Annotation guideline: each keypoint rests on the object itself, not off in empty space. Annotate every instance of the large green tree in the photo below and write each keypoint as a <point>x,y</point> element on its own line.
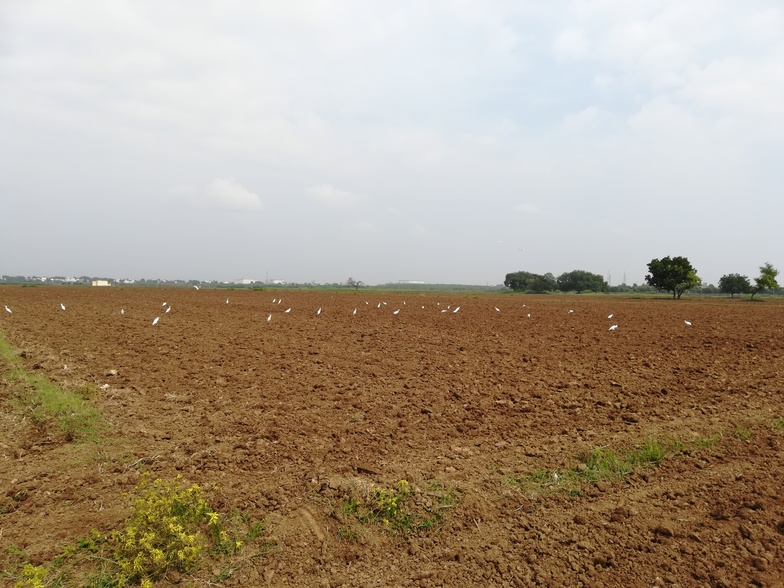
<point>672,274</point>
<point>529,282</point>
<point>734,284</point>
<point>579,281</point>
<point>766,279</point>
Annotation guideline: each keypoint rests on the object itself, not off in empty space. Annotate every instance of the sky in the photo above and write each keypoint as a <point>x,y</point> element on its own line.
<point>448,141</point>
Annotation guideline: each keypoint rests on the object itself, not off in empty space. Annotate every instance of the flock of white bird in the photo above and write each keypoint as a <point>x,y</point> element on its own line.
<point>277,301</point>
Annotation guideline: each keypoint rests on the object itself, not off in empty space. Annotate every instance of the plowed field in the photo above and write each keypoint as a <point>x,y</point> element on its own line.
<point>500,402</point>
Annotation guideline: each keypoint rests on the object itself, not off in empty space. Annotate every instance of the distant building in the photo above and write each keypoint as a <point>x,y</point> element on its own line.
<point>101,283</point>
<point>410,282</point>
<point>247,282</point>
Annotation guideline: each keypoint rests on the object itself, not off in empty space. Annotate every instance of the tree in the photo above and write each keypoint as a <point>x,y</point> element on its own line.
<point>734,284</point>
<point>578,281</point>
<point>356,284</point>
<point>528,282</point>
<point>766,279</point>
<point>674,275</point>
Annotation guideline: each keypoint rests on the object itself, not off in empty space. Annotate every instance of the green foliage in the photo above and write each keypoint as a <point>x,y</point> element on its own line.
<point>395,509</point>
<point>674,275</point>
<point>734,284</point>
<point>528,282</point>
<point>601,465</point>
<point>766,279</point>
<point>163,531</point>
<point>581,281</point>
<point>49,406</point>
<point>171,528</point>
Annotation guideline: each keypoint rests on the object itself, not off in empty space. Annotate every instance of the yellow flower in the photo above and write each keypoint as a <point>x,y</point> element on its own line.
<point>213,518</point>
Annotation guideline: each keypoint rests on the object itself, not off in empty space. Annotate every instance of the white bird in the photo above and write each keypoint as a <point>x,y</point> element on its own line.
<point>122,311</point>
<point>688,324</point>
<point>269,318</point>
<point>354,313</point>
<point>164,304</point>
<point>609,316</point>
<point>385,303</point>
<point>280,300</point>
<point>318,311</point>
<point>423,306</point>
<point>195,287</point>
<point>155,321</point>
<point>274,300</point>
<point>227,300</point>
<point>367,303</point>
<point>529,315</point>
<point>168,309</point>
<point>444,310</point>
<point>62,306</point>
<point>497,309</point>
<point>379,305</point>
<point>404,303</point>
<point>613,328</point>
<point>570,311</point>
<point>397,311</point>
<point>288,310</point>
<point>456,309</point>
<point>8,310</point>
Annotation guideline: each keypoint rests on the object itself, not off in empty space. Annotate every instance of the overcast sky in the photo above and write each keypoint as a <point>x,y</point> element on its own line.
<point>444,141</point>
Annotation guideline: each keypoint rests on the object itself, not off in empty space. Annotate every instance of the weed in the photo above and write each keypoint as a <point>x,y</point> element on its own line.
<point>743,432</point>
<point>397,509</point>
<point>778,424</point>
<point>46,402</point>
<point>600,465</point>
<point>708,441</point>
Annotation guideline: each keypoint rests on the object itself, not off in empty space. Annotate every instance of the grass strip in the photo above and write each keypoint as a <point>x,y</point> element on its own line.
<point>49,406</point>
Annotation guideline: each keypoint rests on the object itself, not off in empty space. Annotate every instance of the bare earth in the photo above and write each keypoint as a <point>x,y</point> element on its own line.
<point>282,414</point>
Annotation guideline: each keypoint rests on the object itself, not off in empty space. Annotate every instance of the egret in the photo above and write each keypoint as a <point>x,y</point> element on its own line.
<point>688,324</point>
<point>227,300</point>
<point>62,306</point>
<point>443,310</point>
<point>8,310</point>
<point>497,309</point>
<point>164,304</point>
<point>613,328</point>
<point>269,318</point>
<point>455,310</point>
<point>122,311</point>
<point>379,305</point>
<point>155,321</point>
<point>609,316</point>
<point>397,311</point>
<point>288,310</point>
<point>168,309</point>
<point>195,287</point>
<point>354,313</point>
<point>529,315</point>
<point>318,312</point>
<point>570,311</point>
<point>274,300</point>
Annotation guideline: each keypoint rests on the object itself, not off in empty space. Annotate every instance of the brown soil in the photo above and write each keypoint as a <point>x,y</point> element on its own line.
<point>282,413</point>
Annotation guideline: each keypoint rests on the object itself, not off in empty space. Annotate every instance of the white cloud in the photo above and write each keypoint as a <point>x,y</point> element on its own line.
<point>228,193</point>
<point>224,193</point>
<point>332,196</point>
<point>570,44</point>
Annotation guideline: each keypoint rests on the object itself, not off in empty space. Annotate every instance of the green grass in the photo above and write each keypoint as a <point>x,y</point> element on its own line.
<point>399,509</point>
<point>778,424</point>
<point>708,441</point>
<point>604,464</point>
<point>50,407</point>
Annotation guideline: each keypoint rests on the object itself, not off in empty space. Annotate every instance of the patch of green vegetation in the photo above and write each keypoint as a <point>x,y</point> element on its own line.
<point>172,529</point>
<point>778,424</point>
<point>398,509</point>
<point>743,432</point>
<point>600,465</point>
<point>48,405</point>
<point>708,441</point>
